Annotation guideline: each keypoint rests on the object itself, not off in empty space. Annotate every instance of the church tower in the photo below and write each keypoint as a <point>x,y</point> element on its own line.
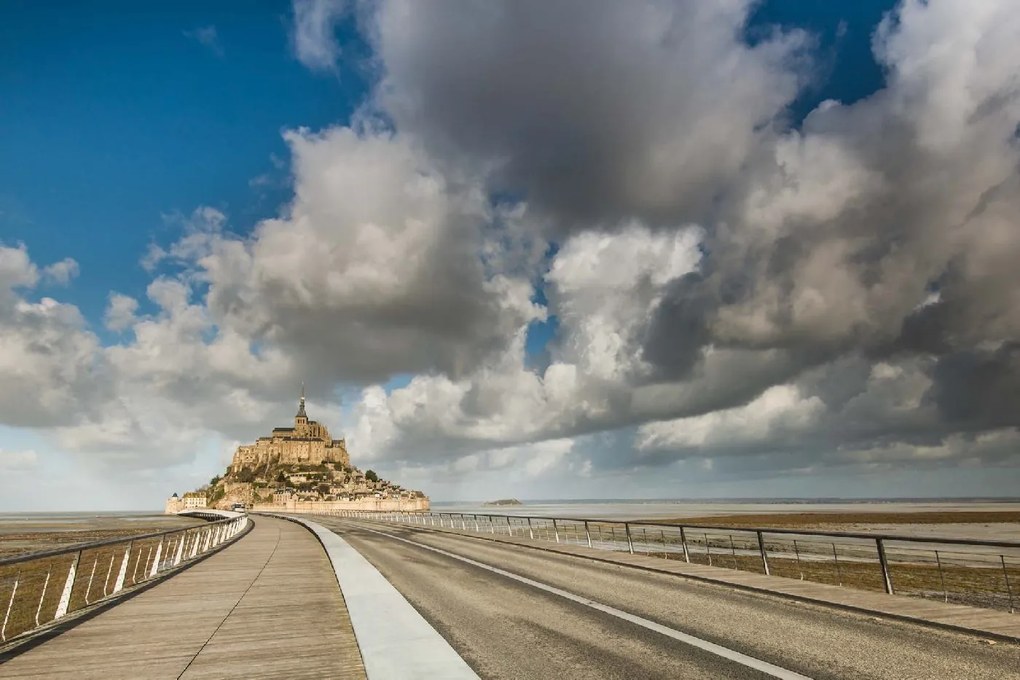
<point>301,419</point>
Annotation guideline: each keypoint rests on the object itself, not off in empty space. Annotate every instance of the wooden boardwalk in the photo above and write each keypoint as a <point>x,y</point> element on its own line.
<point>266,607</point>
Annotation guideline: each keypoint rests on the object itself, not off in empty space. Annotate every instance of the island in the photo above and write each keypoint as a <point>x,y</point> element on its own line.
<point>503,501</point>
<point>299,469</point>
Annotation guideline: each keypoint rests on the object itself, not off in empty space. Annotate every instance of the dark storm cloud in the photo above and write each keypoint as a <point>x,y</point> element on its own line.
<point>596,111</point>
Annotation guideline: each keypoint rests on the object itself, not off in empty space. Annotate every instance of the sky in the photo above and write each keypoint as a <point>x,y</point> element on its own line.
<point>570,249</point>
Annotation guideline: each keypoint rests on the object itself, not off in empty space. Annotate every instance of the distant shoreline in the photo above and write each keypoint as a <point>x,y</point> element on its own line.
<point>748,500</point>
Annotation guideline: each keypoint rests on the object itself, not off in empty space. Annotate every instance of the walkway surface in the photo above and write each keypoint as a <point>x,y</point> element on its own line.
<point>267,606</point>
<point>989,622</point>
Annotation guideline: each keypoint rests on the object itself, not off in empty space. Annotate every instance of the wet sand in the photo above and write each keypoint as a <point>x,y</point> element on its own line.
<point>996,520</point>
<point>32,532</point>
<point>993,525</point>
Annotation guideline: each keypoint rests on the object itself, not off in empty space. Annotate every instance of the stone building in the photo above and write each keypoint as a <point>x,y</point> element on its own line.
<point>308,442</point>
<point>191,501</point>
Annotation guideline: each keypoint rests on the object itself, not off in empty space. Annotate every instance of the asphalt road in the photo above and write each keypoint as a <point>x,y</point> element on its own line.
<point>505,628</point>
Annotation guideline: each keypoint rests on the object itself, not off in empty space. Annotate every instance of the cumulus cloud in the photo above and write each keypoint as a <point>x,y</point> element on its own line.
<point>375,269</point>
<point>599,112</point>
<point>61,272</point>
<point>733,292</point>
<point>876,235</point>
<point>780,411</point>
<point>120,312</point>
<point>48,361</point>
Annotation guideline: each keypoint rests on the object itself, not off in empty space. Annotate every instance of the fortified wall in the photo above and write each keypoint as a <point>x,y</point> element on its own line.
<point>360,504</point>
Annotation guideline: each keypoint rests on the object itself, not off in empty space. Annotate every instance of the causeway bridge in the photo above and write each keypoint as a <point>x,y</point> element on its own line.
<point>437,595</point>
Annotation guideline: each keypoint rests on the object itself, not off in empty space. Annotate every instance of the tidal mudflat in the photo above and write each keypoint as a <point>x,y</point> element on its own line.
<point>956,518</point>
<point>31,532</point>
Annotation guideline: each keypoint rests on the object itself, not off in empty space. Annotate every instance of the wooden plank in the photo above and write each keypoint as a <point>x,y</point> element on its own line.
<point>267,606</point>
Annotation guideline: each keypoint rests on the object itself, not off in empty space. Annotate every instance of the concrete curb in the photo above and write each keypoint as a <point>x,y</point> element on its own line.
<point>719,582</point>
<point>395,641</point>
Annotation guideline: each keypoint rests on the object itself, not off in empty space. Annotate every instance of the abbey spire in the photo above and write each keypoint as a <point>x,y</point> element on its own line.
<point>301,405</point>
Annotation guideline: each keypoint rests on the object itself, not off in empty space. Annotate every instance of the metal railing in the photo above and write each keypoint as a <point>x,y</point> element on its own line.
<point>40,588</point>
<point>973,572</point>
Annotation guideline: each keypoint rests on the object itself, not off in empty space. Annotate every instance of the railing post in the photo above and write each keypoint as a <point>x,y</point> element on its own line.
<point>880,545</point>
<point>587,533</point>
<point>630,541</point>
<point>942,577</point>
<point>155,562</point>
<point>1009,588</point>
<point>683,542</point>
<point>764,555</point>
<point>119,583</point>
<point>180,549</point>
<point>835,559</point>
<point>509,526</point>
<point>531,532</point>
<point>556,530</point>
<point>65,595</point>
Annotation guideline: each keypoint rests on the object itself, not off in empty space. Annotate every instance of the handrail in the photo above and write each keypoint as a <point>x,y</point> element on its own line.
<point>75,547</point>
<point>929,566</point>
<point>750,529</point>
<point>40,588</point>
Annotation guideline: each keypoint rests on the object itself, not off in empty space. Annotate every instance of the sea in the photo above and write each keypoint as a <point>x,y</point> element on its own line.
<point>623,509</point>
<point>586,508</point>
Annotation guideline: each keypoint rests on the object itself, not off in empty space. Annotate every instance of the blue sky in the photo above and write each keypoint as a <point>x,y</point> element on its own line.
<point>696,258</point>
<point>118,119</point>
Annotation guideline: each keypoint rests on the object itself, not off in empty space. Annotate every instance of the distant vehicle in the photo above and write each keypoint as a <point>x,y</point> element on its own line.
<point>237,507</point>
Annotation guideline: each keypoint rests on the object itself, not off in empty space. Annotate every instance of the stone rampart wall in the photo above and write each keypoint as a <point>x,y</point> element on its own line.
<point>362,505</point>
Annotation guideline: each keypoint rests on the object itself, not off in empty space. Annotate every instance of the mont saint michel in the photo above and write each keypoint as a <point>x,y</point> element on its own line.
<point>298,469</point>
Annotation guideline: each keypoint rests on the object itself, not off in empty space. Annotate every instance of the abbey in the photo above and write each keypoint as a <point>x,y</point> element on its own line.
<point>308,442</point>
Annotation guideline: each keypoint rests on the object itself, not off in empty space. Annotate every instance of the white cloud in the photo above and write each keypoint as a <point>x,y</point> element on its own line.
<point>120,312</point>
<point>732,297</point>
<point>61,272</point>
<point>313,33</point>
<point>780,411</point>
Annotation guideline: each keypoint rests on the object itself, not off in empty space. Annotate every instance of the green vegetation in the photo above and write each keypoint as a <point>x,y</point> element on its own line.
<point>371,476</point>
<point>216,493</point>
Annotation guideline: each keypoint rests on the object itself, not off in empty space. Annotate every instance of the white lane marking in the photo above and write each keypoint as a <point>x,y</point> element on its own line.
<point>711,647</point>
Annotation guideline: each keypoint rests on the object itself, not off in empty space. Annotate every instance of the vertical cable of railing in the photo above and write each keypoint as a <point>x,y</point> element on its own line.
<point>142,559</point>
<point>842,558</point>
